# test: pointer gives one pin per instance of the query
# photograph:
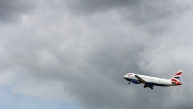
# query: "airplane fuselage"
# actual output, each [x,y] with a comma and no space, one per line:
[154,81]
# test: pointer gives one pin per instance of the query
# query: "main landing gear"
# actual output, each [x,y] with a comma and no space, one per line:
[149,86]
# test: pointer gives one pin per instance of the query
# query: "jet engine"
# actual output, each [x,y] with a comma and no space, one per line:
[135,81]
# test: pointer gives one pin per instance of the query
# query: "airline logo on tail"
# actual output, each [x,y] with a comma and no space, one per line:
[176,78]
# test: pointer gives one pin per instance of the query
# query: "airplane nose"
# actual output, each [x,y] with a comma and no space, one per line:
[125,76]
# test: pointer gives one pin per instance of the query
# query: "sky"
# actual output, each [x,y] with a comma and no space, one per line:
[72,54]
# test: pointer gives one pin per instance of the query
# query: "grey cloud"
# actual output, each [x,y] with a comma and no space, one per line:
[152,16]
[90,55]
[155,17]
[87,6]
[89,67]
[11,10]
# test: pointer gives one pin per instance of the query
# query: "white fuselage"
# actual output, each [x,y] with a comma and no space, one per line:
[152,80]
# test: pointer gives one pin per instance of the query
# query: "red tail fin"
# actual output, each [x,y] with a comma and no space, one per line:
[179,73]
[176,78]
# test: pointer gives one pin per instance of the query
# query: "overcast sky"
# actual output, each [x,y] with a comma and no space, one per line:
[72,54]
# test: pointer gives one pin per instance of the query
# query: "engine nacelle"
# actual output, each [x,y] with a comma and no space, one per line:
[135,81]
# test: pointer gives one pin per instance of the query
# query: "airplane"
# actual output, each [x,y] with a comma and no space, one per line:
[150,81]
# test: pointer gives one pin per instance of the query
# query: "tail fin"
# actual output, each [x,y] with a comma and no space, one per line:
[176,78]
[178,75]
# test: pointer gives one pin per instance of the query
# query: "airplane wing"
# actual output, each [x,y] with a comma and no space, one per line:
[143,81]
[140,79]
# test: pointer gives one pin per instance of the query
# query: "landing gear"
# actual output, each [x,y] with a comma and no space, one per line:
[129,82]
[149,86]
[145,86]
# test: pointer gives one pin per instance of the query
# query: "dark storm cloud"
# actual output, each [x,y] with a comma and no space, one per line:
[152,16]
[10,10]
[87,6]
